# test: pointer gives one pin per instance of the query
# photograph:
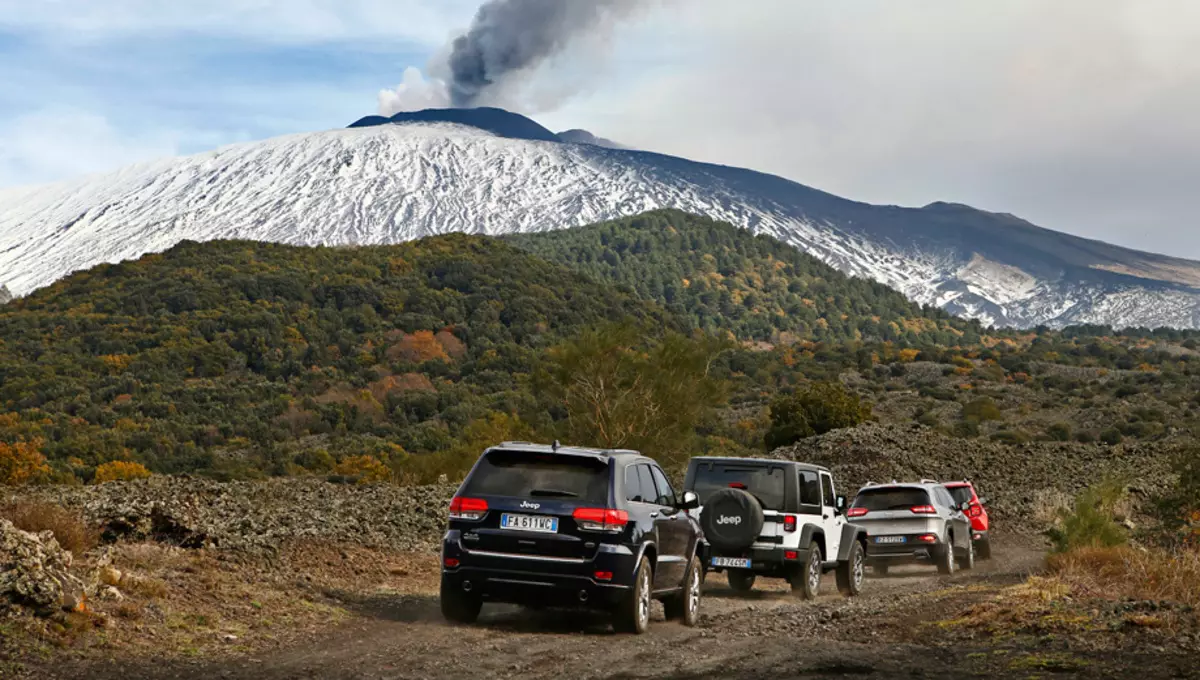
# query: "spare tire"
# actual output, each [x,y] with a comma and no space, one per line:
[732,519]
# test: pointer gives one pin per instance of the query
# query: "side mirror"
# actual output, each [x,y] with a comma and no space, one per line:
[983,501]
[689,501]
[841,502]
[964,506]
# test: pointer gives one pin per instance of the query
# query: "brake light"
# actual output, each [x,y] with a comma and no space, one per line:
[924,510]
[856,512]
[737,485]
[791,555]
[601,519]
[975,511]
[789,523]
[603,575]
[929,538]
[450,562]
[468,508]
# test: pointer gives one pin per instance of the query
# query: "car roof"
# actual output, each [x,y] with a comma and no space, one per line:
[900,485]
[561,450]
[760,461]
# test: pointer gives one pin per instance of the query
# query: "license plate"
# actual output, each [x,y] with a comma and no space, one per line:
[738,562]
[540,523]
[890,539]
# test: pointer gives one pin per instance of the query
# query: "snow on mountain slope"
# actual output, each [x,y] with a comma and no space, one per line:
[385,183]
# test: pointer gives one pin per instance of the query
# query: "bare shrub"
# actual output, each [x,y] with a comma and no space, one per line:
[68,528]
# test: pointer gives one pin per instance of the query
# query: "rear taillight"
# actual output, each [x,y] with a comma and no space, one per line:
[924,510]
[468,508]
[791,555]
[601,519]
[975,511]
[450,562]
[737,485]
[789,523]
[856,512]
[603,576]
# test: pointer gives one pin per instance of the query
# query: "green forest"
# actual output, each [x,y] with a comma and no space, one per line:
[241,359]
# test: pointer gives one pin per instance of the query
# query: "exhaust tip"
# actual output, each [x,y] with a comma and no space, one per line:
[466,586]
[583,596]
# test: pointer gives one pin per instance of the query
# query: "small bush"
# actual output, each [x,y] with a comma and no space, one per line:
[366,469]
[1112,436]
[22,462]
[816,410]
[1124,572]
[1059,432]
[1093,520]
[981,409]
[68,529]
[1010,437]
[120,471]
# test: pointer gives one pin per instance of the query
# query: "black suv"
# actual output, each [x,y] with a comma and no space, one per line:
[565,526]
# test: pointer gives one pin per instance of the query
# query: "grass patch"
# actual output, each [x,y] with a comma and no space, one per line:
[1053,663]
[1124,572]
[68,528]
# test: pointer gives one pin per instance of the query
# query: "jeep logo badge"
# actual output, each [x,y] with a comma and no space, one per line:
[531,506]
[724,519]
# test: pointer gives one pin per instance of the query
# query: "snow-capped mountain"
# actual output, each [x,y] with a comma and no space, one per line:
[492,172]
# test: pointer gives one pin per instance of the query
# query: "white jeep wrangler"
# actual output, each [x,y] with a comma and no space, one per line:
[778,519]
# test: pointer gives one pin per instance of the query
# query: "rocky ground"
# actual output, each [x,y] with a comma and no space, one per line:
[303,578]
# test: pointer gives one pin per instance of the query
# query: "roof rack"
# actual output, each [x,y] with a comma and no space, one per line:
[930,481]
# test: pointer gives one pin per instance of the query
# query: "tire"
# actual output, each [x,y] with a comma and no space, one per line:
[807,581]
[851,572]
[967,562]
[740,580]
[945,558]
[633,614]
[685,607]
[880,569]
[984,550]
[732,520]
[457,606]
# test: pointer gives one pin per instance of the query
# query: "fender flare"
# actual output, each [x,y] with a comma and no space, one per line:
[850,534]
[642,553]
[807,534]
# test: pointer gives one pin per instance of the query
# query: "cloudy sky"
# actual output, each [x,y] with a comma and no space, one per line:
[1079,115]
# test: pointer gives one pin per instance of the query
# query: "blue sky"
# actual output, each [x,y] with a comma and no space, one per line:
[1080,115]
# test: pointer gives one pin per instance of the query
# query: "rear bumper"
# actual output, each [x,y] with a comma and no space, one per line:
[530,579]
[893,553]
[766,561]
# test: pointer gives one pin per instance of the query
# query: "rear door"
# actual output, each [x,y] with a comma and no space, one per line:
[674,534]
[531,499]
[765,482]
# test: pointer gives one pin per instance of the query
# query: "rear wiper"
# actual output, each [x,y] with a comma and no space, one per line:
[554,492]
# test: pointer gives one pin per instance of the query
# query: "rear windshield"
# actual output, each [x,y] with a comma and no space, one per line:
[528,474]
[962,494]
[894,498]
[764,483]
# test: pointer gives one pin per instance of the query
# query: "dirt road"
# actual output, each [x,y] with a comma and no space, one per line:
[766,634]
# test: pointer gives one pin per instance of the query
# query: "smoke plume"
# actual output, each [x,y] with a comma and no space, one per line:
[507,42]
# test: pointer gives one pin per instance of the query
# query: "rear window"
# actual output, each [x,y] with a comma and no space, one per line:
[962,494]
[764,483]
[528,474]
[894,498]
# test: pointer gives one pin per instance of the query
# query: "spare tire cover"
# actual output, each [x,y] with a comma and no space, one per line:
[732,519]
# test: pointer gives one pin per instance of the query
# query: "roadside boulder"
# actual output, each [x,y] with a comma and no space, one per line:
[35,571]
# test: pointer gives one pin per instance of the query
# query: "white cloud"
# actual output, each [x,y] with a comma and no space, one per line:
[52,144]
[281,21]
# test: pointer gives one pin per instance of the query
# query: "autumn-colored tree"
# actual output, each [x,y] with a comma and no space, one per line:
[120,471]
[21,462]
[418,348]
[367,469]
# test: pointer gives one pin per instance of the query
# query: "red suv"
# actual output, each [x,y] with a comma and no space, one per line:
[964,491]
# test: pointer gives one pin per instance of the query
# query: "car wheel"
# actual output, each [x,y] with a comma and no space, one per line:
[741,581]
[967,562]
[686,605]
[807,581]
[633,614]
[459,606]
[945,557]
[850,573]
[984,551]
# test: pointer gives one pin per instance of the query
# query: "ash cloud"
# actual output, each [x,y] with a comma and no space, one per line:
[502,51]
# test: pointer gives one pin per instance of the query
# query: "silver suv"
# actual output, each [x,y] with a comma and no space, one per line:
[913,523]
